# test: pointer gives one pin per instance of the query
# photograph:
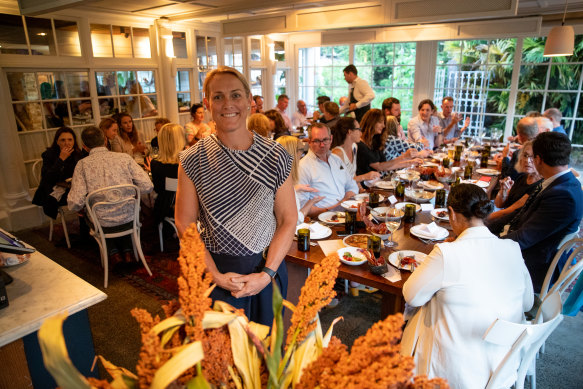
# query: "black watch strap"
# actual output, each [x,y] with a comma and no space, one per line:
[270,272]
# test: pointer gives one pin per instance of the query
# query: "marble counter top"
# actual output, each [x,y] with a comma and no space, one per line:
[41,289]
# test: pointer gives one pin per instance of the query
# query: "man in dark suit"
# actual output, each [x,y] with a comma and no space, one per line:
[553,212]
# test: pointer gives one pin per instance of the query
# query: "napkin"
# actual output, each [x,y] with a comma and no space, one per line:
[426,207]
[431,229]
[315,228]
[370,183]
[429,185]
[331,246]
[393,275]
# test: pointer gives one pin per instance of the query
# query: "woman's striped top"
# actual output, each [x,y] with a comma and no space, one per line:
[236,192]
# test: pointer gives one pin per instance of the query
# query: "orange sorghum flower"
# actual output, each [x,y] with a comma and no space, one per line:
[150,358]
[217,357]
[316,294]
[99,384]
[330,356]
[193,282]
[422,382]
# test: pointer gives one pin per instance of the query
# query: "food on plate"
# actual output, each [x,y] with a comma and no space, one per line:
[409,262]
[433,183]
[350,258]
[443,214]
[380,229]
[442,172]
[371,258]
[356,240]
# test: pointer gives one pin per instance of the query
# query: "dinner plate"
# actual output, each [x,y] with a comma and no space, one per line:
[441,234]
[488,172]
[350,205]
[394,258]
[430,185]
[439,156]
[434,213]
[424,196]
[385,185]
[355,253]
[491,162]
[326,217]
[364,197]
[323,232]
[402,206]
[356,240]
[430,164]
[405,176]
[380,213]
[481,184]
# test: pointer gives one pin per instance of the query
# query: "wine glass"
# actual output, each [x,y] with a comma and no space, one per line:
[154,152]
[395,179]
[393,222]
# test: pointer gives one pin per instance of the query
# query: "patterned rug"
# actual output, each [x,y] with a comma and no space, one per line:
[162,284]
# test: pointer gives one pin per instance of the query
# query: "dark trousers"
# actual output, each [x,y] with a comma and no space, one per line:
[258,308]
[114,245]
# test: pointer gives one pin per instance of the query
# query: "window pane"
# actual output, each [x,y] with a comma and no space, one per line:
[577,134]
[338,76]
[380,95]
[405,96]
[494,122]
[28,117]
[325,56]
[340,55]
[404,76]
[532,76]
[123,80]
[212,51]
[12,33]
[22,86]
[383,76]
[497,102]
[56,113]
[78,84]
[383,54]
[52,85]
[105,82]
[279,50]
[183,80]
[500,76]
[40,34]
[179,44]
[255,49]
[363,55]
[502,51]
[238,52]
[101,40]
[228,49]
[280,83]
[183,102]
[201,58]
[448,52]
[565,102]
[578,52]
[122,41]
[33,145]
[82,112]
[564,77]
[141,43]
[67,38]
[533,49]
[528,101]
[474,51]
[405,53]
[108,106]
[256,82]
[147,82]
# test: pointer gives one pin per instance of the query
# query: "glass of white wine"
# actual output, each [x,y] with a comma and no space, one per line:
[393,222]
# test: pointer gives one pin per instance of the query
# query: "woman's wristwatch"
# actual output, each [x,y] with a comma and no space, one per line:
[269,272]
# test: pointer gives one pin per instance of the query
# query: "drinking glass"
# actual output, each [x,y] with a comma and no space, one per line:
[154,152]
[374,243]
[393,225]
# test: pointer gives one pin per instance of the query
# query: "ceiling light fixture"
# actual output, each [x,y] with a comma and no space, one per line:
[42,34]
[561,39]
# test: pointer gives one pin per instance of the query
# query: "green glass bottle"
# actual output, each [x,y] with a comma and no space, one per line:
[400,189]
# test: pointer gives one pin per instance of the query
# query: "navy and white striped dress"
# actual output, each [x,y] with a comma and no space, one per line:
[236,192]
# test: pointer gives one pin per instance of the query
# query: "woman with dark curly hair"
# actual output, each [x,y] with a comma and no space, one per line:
[279,127]
[59,163]
[461,287]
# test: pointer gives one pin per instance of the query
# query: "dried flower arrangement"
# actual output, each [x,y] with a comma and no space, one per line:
[197,346]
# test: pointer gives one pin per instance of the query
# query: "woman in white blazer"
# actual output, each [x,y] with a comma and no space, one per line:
[460,289]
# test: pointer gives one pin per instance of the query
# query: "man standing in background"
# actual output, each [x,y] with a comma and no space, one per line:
[360,94]
[281,107]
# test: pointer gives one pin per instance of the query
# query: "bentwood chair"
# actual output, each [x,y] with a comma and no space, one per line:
[524,341]
[570,271]
[101,203]
[36,172]
[170,187]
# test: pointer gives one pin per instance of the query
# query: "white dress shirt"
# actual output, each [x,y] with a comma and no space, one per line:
[418,129]
[286,119]
[331,179]
[299,119]
[362,92]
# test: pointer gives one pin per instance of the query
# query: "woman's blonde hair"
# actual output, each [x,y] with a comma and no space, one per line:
[171,141]
[224,70]
[292,145]
[259,123]
[392,125]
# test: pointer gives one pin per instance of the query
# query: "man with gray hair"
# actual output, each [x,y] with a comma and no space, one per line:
[526,130]
[325,172]
[299,118]
[100,169]
[555,116]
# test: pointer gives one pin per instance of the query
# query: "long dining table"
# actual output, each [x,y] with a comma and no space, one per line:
[392,301]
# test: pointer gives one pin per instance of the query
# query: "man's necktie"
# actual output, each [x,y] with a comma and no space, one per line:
[515,222]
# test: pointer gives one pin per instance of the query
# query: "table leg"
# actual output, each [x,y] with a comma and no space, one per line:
[391,304]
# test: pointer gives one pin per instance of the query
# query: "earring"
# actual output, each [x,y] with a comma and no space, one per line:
[248,108]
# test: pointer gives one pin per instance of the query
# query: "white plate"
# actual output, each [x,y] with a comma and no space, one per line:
[355,253]
[430,164]
[402,206]
[433,186]
[436,210]
[441,234]
[488,172]
[364,197]
[351,245]
[383,210]
[426,196]
[405,177]
[347,205]
[326,217]
[481,184]
[491,162]
[385,185]
[394,258]
[324,233]
[439,156]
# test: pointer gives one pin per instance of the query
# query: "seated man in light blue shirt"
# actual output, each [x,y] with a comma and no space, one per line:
[325,172]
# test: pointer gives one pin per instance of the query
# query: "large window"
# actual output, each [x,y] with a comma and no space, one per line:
[120,41]
[233,48]
[320,73]
[206,58]
[183,90]
[389,68]
[477,74]
[128,91]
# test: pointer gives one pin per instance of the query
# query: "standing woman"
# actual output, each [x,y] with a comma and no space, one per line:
[370,155]
[59,163]
[255,213]
[346,136]
[460,290]
[129,140]
[196,129]
[110,130]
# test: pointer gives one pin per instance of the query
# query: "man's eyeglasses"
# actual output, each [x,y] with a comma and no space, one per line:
[320,141]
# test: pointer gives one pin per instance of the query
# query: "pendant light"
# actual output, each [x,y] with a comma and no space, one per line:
[561,39]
